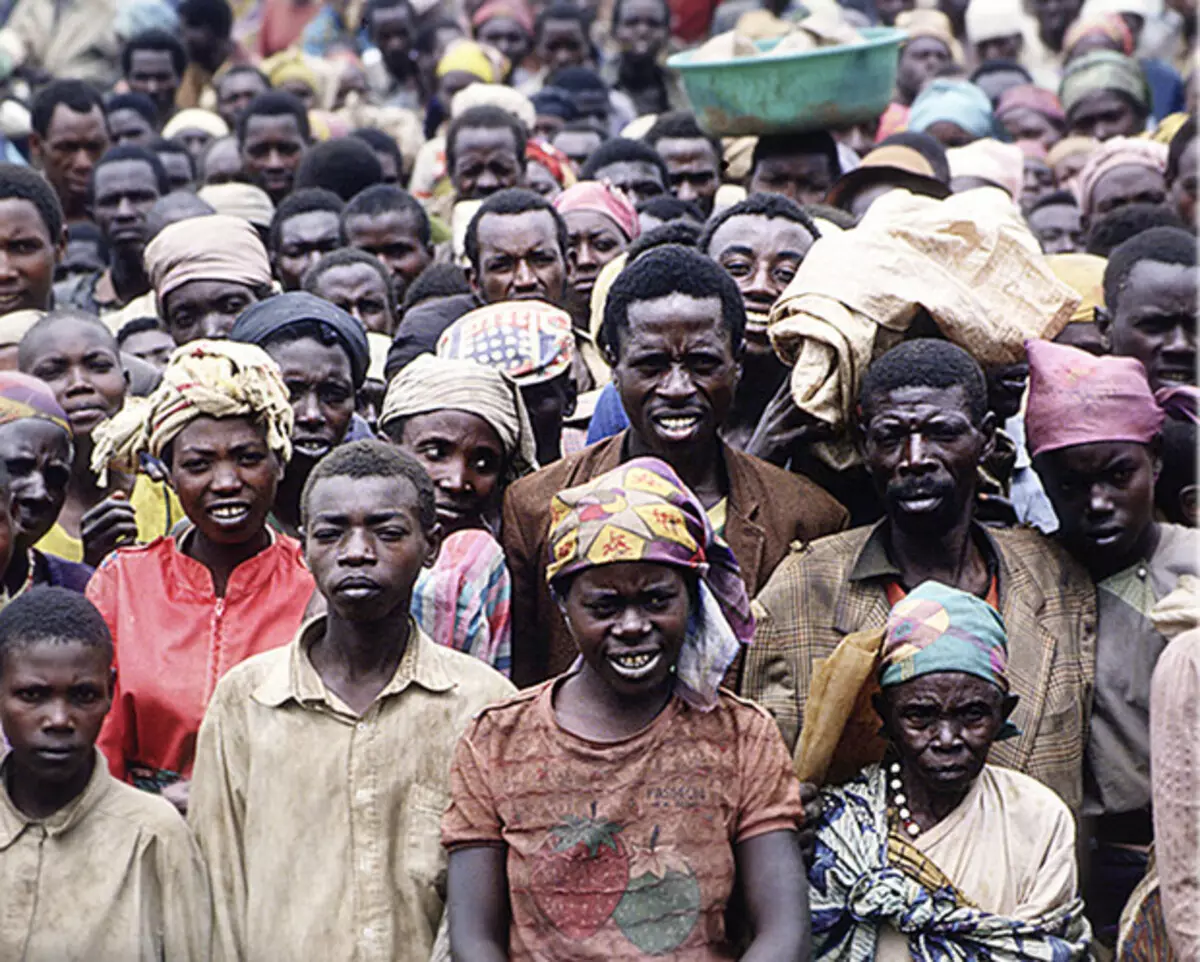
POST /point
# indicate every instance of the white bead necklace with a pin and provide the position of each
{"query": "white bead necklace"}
(899, 807)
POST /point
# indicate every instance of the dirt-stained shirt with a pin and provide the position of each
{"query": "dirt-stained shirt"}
(114, 876)
(620, 850)
(320, 825)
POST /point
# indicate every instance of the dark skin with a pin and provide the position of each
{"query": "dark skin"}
(922, 449)
(303, 238)
(622, 614)
(676, 371)
(548, 404)
(365, 546)
(1053, 17)
(941, 727)
(519, 258)
(593, 239)
(1058, 228)
(1084, 335)
(1124, 185)
(1103, 494)
(234, 93)
(27, 257)
(639, 179)
(485, 161)
(127, 126)
(562, 43)
(68, 153)
(54, 694)
(80, 362)
(394, 237)
(1104, 114)
(805, 178)
(464, 456)
(152, 72)
(920, 61)
(694, 168)
(392, 32)
(360, 291)
(271, 150)
(124, 191)
(1154, 320)
(37, 454)
(205, 308)
(8, 545)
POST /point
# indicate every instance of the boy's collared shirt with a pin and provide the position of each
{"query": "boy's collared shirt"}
(114, 875)
(320, 826)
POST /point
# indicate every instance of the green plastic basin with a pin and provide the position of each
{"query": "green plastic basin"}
(793, 92)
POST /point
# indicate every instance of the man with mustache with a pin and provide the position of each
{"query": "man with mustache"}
(924, 429)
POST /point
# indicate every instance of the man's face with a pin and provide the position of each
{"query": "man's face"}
(395, 238)
(271, 152)
(519, 258)
(223, 163)
(127, 126)
(1000, 48)
(694, 169)
(365, 547)
(1054, 16)
(303, 238)
(27, 257)
(676, 373)
(507, 36)
(392, 33)
(125, 190)
(152, 72)
(359, 291)
(73, 144)
(762, 255)
(1155, 322)
(154, 347)
(1103, 495)
(1183, 189)
(562, 44)
(579, 145)
(178, 168)
(53, 698)
(922, 451)
(640, 179)
(1057, 228)
(1037, 180)
(235, 92)
(1124, 185)
(80, 363)
(805, 178)
(37, 454)
(1104, 114)
(205, 309)
(1025, 123)
(642, 30)
(920, 60)
(485, 161)
(320, 384)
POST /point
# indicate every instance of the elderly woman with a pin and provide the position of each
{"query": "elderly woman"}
(467, 426)
(185, 609)
(205, 271)
(665, 792)
(934, 854)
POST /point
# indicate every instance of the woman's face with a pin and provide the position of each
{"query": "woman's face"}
(465, 458)
(79, 361)
(629, 621)
(592, 241)
(942, 726)
(225, 476)
(205, 309)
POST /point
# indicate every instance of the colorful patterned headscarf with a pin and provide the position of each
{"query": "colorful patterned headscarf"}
(23, 396)
(936, 628)
(1103, 70)
(641, 511)
(1032, 97)
(530, 341)
(216, 379)
(603, 199)
(1110, 26)
(553, 159)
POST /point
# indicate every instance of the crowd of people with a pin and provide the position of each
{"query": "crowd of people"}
(455, 506)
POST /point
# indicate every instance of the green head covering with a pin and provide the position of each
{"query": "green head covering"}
(1103, 70)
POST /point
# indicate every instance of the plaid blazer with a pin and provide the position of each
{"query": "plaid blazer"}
(836, 585)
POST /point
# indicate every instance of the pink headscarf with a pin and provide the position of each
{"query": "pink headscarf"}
(1111, 26)
(1078, 398)
(601, 198)
(1038, 99)
(512, 9)
(1118, 152)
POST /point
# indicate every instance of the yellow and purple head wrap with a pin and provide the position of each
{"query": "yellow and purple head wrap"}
(23, 396)
(642, 512)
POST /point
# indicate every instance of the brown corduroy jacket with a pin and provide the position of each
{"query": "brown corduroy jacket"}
(768, 510)
(837, 585)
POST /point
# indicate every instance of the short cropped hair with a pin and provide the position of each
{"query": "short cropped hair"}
(158, 41)
(24, 183)
(131, 152)
(216, 15)
(679, 125)
(138, 103)
(1126, 222)
(302, 201)
(514, 200)
(437, 280)
(680, 232)
(54, 614)
(560, 10)
(667, 207)
(275, 103)
(75, 95)
(661, 272)
(788, 145)
(344, 165)
(381, 143)
(139, 325)
(486, 117)
(771, 206)
(1056, 198)
(623, 150)
(1163, 245)
(925, 362)
(385, 199)
(340, 258)
(372, 459)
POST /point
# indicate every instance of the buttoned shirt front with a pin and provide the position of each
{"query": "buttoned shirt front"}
(320, 826)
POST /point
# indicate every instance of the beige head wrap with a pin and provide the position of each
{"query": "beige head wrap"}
(213, 248)
(216, 379)
(193, 118)
(16, 325)
(432, 383)
(246, 201)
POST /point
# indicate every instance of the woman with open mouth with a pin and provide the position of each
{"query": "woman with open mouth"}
(609, 813)
(186, 608)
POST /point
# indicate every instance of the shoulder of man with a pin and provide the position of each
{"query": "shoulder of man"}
(786, 494)
(532, 493)
(477, 683)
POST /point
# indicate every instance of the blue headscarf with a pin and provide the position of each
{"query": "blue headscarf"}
(957, 101)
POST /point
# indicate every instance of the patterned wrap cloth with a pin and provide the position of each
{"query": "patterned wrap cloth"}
(23, 396)
(1110, 26)
(216, 379)
(1103, 70)
(553, 159)
(530, 341)
(1032, 97)
(641, 511)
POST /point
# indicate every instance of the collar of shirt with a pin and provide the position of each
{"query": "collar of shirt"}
(873, 561)
(296, 680)
(13, 821)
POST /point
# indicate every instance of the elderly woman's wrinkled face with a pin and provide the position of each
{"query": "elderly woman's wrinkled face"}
(225, 476)
(465, 458)
(629, 621)
(37, 455)
(942, 726)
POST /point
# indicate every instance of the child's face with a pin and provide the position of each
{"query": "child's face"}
(364, 544)
(53, 698)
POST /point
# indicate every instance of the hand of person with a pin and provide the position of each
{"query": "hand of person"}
(106, 527)
(782, 427)
(177, 793)
(814, 810)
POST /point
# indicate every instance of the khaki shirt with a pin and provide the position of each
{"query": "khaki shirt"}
(320, 827)
(113, 877)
